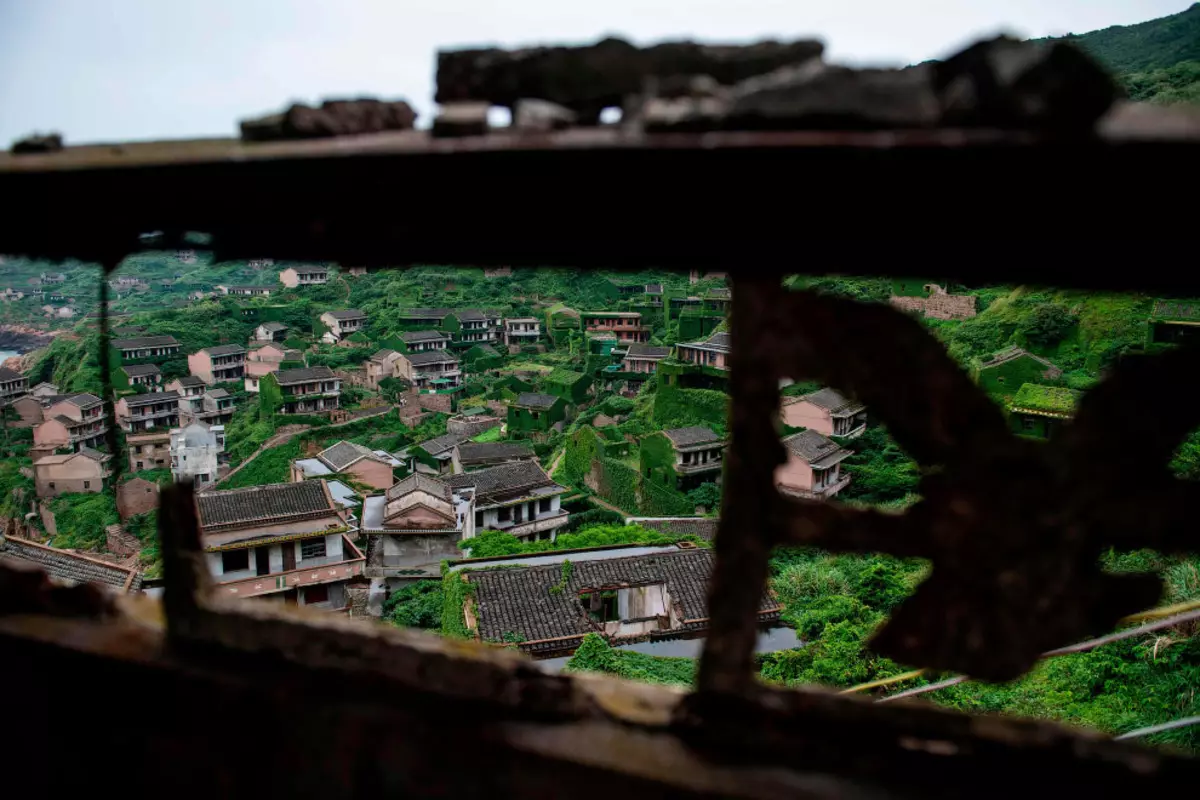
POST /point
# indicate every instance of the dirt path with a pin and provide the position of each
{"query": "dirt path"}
(607, 505)
(557, 458)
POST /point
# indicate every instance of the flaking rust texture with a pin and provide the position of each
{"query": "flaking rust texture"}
(1014, 528)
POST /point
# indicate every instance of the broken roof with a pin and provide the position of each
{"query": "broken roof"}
(833, 401)
(139, 342)
(288, 377)
(535, 400)
(493, 483)
(519, 600)
(692, 436)
(63, 565)
(484, 451)
(271, 504)
(409, 337)
(344, 454)
(647, 351)
(431, 357)
(815, 450)
(349, 313)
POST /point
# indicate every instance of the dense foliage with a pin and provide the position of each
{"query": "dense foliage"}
(596, 655)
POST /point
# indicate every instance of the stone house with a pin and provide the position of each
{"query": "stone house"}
(67, 568)
(420, 341)
(938, 304)
(144, 412)
(220, 364)
(84, 471)
(536, 412)
(285, 542)
(28, 410)
(643, 358)
(196, 452)
(310, 390)
(567, 384)
(75, 421)
(1039, 411)
(471, 456)
(827, 412)
(191, 395)
(813, 467)
(140, 347)
(517, 498)
(136, 496)
(625, 325)
(381, 365)
(1006, 371)
(347, 458)
(522, 330)
(431, 369)
(475, 327)
(712, 352)
(696, 455)
(142, 374)
(149, 450)
(44, 390)
(12, 386)
(271, 332)
(624, 595)
(342, 324)
(309, 275)
(433, 456)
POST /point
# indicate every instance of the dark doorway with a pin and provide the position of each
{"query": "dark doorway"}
(289, 556)
(262, 560)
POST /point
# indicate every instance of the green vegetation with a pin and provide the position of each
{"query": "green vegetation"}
(490, 544)
(81, 519)
(418, 605)
(595, 655)
(1045, 398)
(271, 466)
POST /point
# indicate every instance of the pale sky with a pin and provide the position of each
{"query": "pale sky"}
(107, 70)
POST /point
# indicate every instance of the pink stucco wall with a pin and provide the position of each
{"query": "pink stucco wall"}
(794, 474)
(372, 473)
(806, 415)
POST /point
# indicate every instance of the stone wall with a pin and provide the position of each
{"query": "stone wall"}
(938, 305)
(435, 402)
(119, 542)
(137, 496)
(472, 426)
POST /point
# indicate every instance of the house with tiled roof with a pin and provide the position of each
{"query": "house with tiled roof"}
(69, 568)
(826, 411)
(381, 365)
(410, 529)
(627, 326)
(69, 473)
(701, 527)
(144, 412)
(12, 386)
(287, 542)
(518, 498)
(420, 341)
(533, 411)
(220, 364)
(304, 275)
(470, 327)
(342, 324)
(140, 347)
(1039, 411)
(813, 468)
(430, 369)
(643, 358)
(682, 458)
(713, 352)
(433, 456)
(264, 360)
(246, 290)
(348, 458)
(522, 330)
(471, 456)
(71, 421)
(547, 610)
(271, 332)
(142, 374)
(309, 390)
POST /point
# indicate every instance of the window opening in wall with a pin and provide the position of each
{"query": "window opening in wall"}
(316, 594)
(235, 560)
(601, 606)
(312, 548)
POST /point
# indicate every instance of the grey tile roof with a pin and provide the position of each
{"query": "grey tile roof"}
(308, 269)
(518, 599)
(648, 351)
(719, 340)
(349, 313)
(8, 375)
(341, 455)
(425, 313)
(144, 341)
(288, 377)
(190, 380)
(833, 401)
(703, 527)
(225, 350)
(217, 393)
(472, 314)
(382, 355)
(409, 337)
(273, 327)
(94, 455)
(149, 398)
(440, 444)
(276, 502)
(66, 566)
(535, 400)
(83, 400)
(815, 449)
(503, 479)
(430, 357)
(691, 436)
(418, 482)
(135, 370)
(483, 451)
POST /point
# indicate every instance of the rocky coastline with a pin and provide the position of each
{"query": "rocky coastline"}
(23, 339)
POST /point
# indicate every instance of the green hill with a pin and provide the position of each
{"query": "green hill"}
(1157, 61)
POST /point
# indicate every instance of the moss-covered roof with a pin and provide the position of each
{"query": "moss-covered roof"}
(563, 376)
(1032, 397)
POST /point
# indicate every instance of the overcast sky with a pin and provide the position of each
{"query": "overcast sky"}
(103, 70)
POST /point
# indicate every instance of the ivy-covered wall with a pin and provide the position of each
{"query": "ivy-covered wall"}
(523, 419)
(678, 408)
(658, 461)
(570, 386)
(1005, 379)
